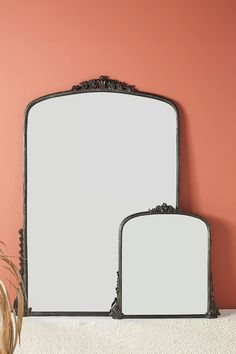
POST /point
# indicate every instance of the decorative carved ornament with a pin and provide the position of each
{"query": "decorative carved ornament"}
(23, 267)
(22, 255)
(115, 311)
(103, 84)
(164, 208)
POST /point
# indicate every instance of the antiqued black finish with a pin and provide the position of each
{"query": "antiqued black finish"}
(23, 251)
(102, 84)
(163, 209)
(213, 311)
(116, 307)
(23, 273)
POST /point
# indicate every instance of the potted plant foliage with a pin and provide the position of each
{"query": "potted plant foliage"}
(10, 318)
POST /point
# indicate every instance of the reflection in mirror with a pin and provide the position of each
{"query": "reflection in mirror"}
(164, 266)
(94, 155)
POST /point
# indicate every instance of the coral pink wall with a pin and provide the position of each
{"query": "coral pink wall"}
(182, 49)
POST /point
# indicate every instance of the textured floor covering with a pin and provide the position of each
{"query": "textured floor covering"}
(84, 335)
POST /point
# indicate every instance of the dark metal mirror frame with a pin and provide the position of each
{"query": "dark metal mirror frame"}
(116, 307)
(102, 84)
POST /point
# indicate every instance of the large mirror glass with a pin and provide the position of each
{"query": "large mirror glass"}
(93, 155)
(164, 266)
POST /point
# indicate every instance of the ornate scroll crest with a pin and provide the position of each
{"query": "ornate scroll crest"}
(213, 311)
(103, 83)
(115, 311)
(164, 208)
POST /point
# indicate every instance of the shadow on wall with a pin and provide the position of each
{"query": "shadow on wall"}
(222, 261)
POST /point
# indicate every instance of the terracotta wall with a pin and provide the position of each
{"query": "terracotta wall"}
(184, 49)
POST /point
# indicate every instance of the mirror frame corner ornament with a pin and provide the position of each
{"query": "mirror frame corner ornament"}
(116, 306)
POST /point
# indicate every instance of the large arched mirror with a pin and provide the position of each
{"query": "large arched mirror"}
(93, 155)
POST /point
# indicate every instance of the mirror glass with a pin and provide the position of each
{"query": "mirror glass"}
(92, 158)
(164, 268)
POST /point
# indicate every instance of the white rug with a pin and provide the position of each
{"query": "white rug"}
(84, 335)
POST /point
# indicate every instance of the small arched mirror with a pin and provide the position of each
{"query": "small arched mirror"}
(164, 266)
